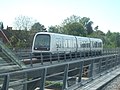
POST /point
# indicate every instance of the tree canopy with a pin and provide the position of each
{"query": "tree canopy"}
(73, 25)
(37, 27)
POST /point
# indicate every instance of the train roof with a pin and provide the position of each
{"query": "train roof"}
(53, 34)
(50, 33)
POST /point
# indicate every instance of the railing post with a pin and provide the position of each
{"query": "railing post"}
(88, 54)
(100, 63)
(80, 54)
(106, 64)
(6, 82)
(84, 54)
(70, 56)
(25, 85)
(76, 55)
(31, 63)
(64, 56)
(80, 71)
(58, 56)
(91, 69)
(65, 85)
(43, 78)
(116, 59)
(41, 58)
(51, 58)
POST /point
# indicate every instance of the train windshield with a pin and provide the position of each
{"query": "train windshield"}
(42, 42)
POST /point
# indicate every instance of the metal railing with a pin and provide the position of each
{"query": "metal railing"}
(28, 58)
(62, 76)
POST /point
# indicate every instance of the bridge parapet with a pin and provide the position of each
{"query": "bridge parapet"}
(64, 75)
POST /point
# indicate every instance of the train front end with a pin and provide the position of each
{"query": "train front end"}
(41, 43)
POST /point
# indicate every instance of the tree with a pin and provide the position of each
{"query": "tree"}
(55, 29)
(108, 34)
(84, 21)
(37, 27)
(13, 40)
(23, 22)
(20, 38)
(74, 29)
(87, 24)
(71, 19)
(89, 27)
(73, 26)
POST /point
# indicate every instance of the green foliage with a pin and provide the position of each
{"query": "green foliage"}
(54, 29)
(54, 84)
(114, 38)
(89, 28)
(37, 27)
(74, 29)
(73, 25)
(20, 39)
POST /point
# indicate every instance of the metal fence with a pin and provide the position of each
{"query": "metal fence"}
(27, 57)
(60, 76)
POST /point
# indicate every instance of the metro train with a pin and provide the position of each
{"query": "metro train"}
(46, 42)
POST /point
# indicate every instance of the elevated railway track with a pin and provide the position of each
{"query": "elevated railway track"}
(68, 72)
(68, 75)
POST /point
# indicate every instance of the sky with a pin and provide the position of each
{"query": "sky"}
(104, 13)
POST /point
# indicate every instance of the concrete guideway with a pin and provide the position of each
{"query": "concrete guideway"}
(100, 82)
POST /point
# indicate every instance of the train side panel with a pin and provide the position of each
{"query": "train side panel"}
(63, 43)
(96, 45)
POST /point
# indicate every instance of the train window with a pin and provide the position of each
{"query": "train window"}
(62, 43)
(100, 44)
(88, 45)
(65, 43)
(69, 45)
(95, 44)
(58, 43)
(42, 42)
(82, 44)
(73, 43)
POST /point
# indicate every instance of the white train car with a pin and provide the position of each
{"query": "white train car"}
(46, 42)
(83, 44)
(96, 45)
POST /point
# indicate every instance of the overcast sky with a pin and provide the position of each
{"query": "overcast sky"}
(104, 13)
